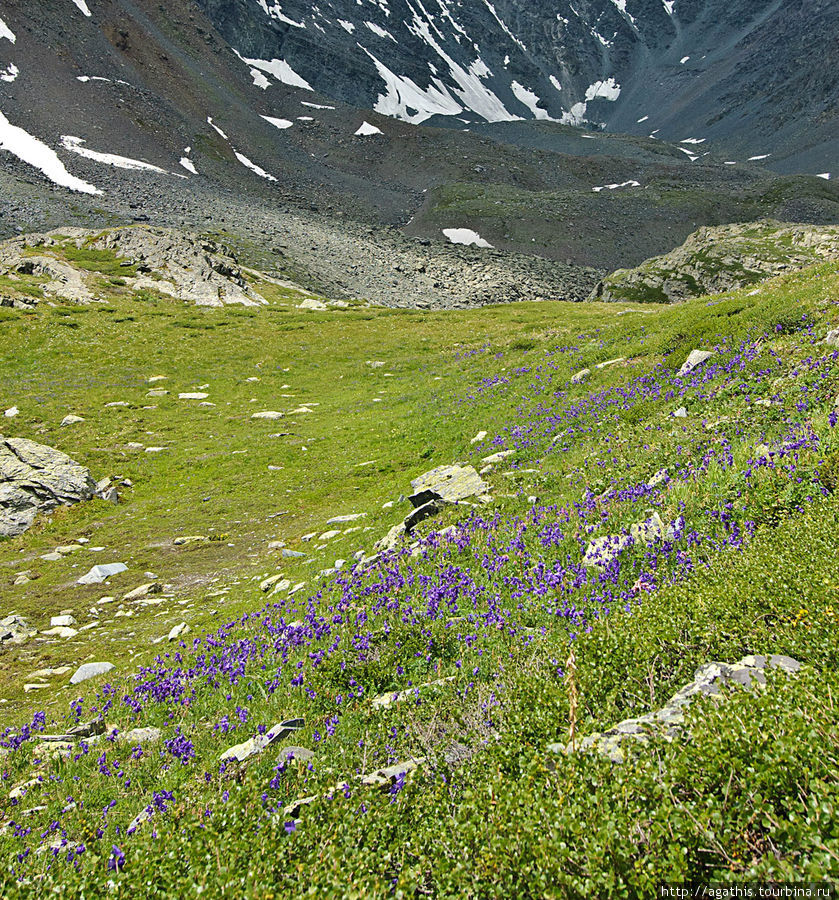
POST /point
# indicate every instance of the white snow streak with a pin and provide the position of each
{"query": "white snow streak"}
(529, 99)
(825, 175)
(380, 32)
(36, 153)
(10, 73)
(253, 166)
(75, 145)
(278, 123)
(761, 156)
(188, 164)
(555, 82)
(82, 6)
(214, 126)
(614, 187)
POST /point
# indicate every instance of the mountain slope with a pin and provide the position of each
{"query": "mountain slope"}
(743, 74)
(151, 111)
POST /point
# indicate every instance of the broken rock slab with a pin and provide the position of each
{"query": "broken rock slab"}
(257, 744)
(15, 629)
(35, 478)
(90, 670)
(695, 359)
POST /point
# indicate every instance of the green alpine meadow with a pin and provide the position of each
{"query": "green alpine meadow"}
(605, 660)
(419, 449)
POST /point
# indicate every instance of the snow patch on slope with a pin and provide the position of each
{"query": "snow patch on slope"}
(82, 7)
(280, 69)
(10, 73)
(406, 100)
(75, 145)
(530, 100)
(278, 123)
(606, 90)
(471, 91)
(276, 12)
(614, 187)
(467, 237)
(6, 32)
(37, 154)
(366, 129)
(599, 90)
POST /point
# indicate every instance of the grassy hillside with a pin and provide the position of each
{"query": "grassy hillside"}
(525, 645)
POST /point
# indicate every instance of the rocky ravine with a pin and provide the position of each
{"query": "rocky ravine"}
(723, 258)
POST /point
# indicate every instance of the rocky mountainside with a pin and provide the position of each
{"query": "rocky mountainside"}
(213, 118)
(713, 260)
(745, 74)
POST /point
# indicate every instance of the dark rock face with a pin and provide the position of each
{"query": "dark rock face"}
(745, 72)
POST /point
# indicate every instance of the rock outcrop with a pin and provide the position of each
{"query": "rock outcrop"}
(721, 258)
(709, 680)
(35, 478)
(184, 266)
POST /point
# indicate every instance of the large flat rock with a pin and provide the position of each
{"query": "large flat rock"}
(449, 484)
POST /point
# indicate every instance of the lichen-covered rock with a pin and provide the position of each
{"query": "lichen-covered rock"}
(35, 478)
(721, 258)
(449, 484)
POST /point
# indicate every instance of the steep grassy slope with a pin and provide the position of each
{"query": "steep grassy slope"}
(523, 640)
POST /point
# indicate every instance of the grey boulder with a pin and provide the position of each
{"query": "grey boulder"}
(35, 478)
(449, 484)
(90, 670)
